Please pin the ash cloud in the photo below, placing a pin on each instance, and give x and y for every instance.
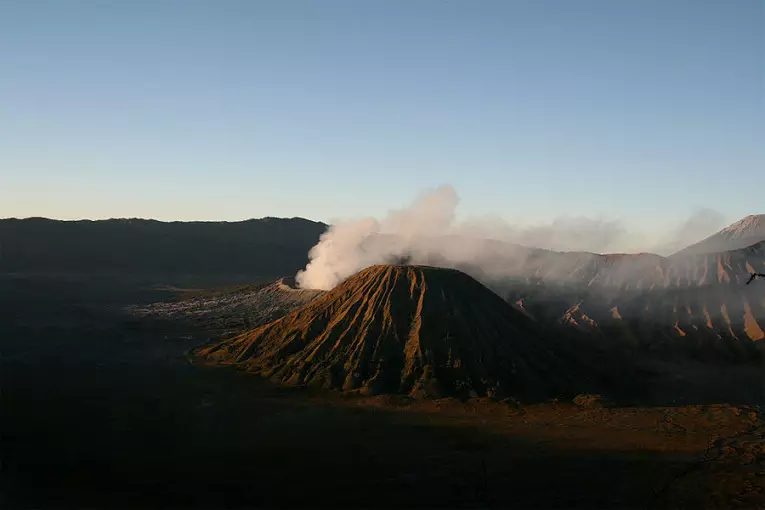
(427, 232)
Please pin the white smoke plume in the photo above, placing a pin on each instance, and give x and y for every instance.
(703, 223)
(426, 232)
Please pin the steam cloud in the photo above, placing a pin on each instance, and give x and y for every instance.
(700, 225)
(426, 232)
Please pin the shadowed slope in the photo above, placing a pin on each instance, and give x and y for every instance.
(257, 249)
(401, 329)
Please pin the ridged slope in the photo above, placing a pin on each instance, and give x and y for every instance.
(401, 329)
(745, 232)
(639, 271)
(646, 271)
(705, 310)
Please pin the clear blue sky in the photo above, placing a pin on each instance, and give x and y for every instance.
(225, 110)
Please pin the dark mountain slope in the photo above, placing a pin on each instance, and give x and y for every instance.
(268, 247)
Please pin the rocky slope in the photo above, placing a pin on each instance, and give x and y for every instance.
(691, 305)
(712, 325)
(402, 329)
(706, 312)
(743, 233)
(232, 310)
(645, 271)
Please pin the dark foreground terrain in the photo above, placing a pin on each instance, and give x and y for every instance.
(101, 410)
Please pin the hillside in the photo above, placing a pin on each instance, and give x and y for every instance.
(402, 329)
(692, 306)
(262, 248)
(700, 309)
(743, 233)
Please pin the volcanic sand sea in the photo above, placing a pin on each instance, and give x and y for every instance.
(106, 412)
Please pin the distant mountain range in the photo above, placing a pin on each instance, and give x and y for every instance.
(727, 257)
(274, 247)
(645, 271)
(259, 249)
(694, 303)
(718, 319)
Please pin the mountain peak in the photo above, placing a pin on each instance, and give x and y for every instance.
(417, 330)
(745, 232)
(745, 227)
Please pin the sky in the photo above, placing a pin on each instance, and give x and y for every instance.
(641, 111)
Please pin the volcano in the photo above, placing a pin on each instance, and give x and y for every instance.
(416, 330)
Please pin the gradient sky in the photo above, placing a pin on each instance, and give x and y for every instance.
(223, 110)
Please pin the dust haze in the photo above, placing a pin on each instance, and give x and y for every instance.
(427, 232)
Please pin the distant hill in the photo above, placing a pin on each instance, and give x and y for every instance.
(645, 271)
(743, 233)
(263, 248)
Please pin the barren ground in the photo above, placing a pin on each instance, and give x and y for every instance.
(102, 411)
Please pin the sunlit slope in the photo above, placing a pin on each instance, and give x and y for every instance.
(402, 329)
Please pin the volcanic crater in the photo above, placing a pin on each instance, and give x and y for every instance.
(406, 329)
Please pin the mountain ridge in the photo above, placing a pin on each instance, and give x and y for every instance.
(254, 249)
(740, 234)
(138, 220)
